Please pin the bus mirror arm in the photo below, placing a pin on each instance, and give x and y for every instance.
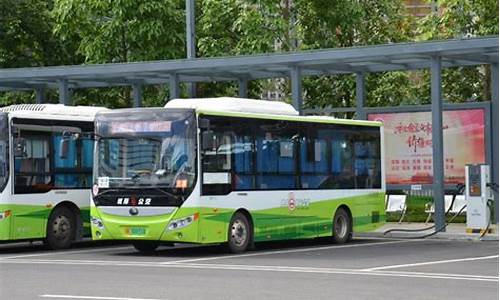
(207, 140)
(19, 147)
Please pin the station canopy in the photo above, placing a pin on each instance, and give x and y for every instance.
(368, 59)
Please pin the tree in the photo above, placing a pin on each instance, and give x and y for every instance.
(344, 23)
(26, 40)
(122, 31)
(461, 19)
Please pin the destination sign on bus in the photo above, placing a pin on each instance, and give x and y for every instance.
(140, 126)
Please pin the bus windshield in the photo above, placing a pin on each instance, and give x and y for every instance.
(4, 150)
(146, 148)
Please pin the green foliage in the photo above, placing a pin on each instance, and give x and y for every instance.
(344, 23)
(459, 19)
(462, 19)
(26, 40)
(122, 30)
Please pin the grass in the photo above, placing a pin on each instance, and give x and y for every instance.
(415, 211)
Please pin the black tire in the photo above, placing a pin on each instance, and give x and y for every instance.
(342, 226)
(61, 228)
(239, 235)
(146, 247)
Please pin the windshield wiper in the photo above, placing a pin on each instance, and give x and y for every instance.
(113, 190)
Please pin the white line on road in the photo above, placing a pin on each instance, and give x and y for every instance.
(91, 297)
(205, 266)
(92, 250)
(339, 271)
(430, 263)
(261, 253)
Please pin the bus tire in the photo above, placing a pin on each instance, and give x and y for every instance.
(342, 226)
(146, 247)
(239, 233)
(61, 228)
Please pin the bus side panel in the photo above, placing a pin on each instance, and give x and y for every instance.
(28, 221)
(5, 222)
(304, 219)
(214, 224)
(368, 212)
(315, 219)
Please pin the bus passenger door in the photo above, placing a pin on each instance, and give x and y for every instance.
(32, 182)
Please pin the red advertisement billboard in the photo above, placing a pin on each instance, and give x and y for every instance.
(408, 144)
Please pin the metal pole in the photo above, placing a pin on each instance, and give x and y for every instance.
(360, 96)
(242, 88)
(174, 86)
(40, 95)
(295, 78)
(494, 129)
(190, 40)
(437, 143)
(137, 92)
(64, 94)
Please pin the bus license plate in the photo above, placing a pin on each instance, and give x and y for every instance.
(137, 231)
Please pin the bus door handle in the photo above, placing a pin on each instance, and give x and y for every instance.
(242, 194)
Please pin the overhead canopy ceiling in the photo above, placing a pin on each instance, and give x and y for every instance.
(380, 58)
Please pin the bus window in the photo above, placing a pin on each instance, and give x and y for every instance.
(243, 149)
(314, 163)
(342, 160)
(70, 162)
(75, 170)
(217, 161)
(276, 155)
(367, 161)
(32, 168)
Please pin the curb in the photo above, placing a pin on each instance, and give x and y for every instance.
(438, 236)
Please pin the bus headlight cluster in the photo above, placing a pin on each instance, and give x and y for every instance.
(97, 222)
(5, 214)
(183, 222)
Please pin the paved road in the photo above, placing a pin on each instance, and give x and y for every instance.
(363, 269)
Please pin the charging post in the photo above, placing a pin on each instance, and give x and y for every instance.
(478, 197)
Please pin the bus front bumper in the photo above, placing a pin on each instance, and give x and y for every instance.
(180, 225)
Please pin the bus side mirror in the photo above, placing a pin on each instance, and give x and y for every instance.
(64, 144)
(19, 147)
(204, 123)
(64, 147)
(207, 140)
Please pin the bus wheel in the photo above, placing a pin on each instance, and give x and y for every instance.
(342, 225)
(239, 233)
(146, 247)
(61, 228)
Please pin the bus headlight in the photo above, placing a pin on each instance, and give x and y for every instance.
(182, 222)
(97, 222)
(5, 214)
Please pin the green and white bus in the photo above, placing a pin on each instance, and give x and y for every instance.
(234, 171)
(44, 195)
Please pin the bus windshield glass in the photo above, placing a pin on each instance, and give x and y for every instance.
(4, 150)
(146, 148)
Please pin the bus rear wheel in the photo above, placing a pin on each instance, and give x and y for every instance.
(239, 233)
(61, 228)
(146, 247)
(342, 226)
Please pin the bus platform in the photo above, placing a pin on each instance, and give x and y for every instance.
(454, 231)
